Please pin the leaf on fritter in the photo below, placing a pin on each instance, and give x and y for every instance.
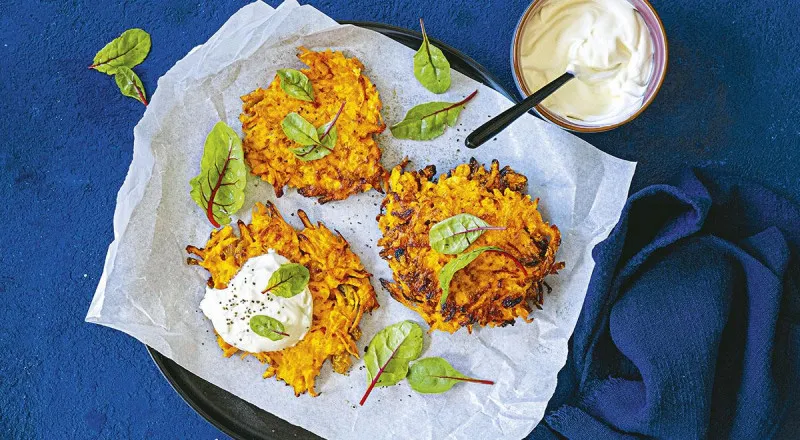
(289, 280)
(457, 233)
(267, 327)
(296, 84)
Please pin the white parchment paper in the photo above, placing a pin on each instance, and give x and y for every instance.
(148, 291)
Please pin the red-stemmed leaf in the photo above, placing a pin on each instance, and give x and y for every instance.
(435, 375)
(457, 233)
(428, 121)
(219, 188)
(389, 353)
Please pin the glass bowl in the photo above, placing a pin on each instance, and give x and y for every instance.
(660, 57)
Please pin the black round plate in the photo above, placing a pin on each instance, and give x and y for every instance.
(232, 415)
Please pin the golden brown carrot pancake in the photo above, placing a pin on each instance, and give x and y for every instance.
(491, 290)
(353, 166)
(339, 285)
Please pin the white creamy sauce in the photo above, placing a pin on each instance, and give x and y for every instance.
(604, 42)
(231, 309)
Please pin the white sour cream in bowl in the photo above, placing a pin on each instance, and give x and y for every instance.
(608, 44)
(231, 309)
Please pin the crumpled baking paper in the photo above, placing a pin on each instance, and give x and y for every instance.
(149, 292)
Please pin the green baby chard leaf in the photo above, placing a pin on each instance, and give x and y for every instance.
(449, 270)
(389, 353)
(316, 143)
(435, 375)
(428, 121)
(219, 188)
(328, 135)
(297, 129)
(289, 280)
(268, 327)
(296, 84)
(327, 139)
(431, 67)
(127, 50)
(457, 233)
(130, 84)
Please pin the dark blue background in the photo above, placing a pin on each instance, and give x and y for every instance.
(729, 101)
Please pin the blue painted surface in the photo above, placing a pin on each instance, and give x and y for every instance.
(730, 100)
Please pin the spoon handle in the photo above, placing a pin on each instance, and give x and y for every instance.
(497, 124)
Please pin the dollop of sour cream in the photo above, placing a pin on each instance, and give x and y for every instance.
(231, 309)
(605, 43)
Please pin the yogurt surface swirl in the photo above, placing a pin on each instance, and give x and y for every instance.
(604, 42)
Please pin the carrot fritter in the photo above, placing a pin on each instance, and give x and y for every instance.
(339, 285)
(491, 290)
(353, 166)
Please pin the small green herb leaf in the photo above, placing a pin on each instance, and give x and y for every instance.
(325, 140)
(456, 264)
(431, 67)
(389, 353)
(297, 129)
(127, 50)
(267, 327)
(457, 233)
(289, 280)
(130, 84)
(435, 375)
(219, 188)
(296, 84)
(428, 121)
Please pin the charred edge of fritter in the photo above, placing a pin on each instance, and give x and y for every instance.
(384, 202)
(355, 187)
(403, 163)
(304, 218)
(380, 181)
(428, 173)
(194, 250)
(397, 292)
(448, 311)
(504, 178)
(345, 243)
(272, 210)
(473, 167)
(322, 196)
(404, 214)
(511, 302)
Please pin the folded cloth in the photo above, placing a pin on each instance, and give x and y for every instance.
(691, 325)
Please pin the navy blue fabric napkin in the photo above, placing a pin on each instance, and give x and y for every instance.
(691, 325)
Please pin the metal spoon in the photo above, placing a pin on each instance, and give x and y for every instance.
(497, 124)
